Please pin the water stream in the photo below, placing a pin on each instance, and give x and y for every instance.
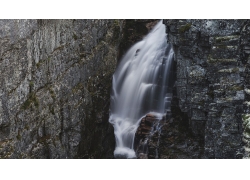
(140, 86)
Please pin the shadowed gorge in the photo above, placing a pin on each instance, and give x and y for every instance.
(135, 88)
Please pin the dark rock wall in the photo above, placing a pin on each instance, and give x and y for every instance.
(55, 87)
(134, 30)
(212, 86)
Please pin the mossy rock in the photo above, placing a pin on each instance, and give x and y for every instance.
(31, 99)
(185, 28)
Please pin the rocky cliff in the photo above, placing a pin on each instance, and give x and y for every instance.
(56, 77)
(55, 80)
(55, 87)
(211, 97)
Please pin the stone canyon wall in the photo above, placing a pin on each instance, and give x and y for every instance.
(55, 87)
(211, 97)
(56, 78)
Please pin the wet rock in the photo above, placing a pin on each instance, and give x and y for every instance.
(212, 60)
(147, 136)
(134, 31)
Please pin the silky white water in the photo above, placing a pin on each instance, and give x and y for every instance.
(140, 85)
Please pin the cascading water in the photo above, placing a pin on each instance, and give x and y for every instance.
(140, 86)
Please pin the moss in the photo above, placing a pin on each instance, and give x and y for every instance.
(75, 37)
(225, 38)
(116, 22)
(185, 28)
(59, 48)
(236, 88)
(27, 127)
(230, 70)
(19, 137)
(79, 86)
(223, 61)
(43, 139)
(31, 99)
(221, 47)
(36, 102)
(26, 104)
(52, 93)
(245, 116)
(225, 47)
(31, 85)
(38, 64)
(247, 131)
(235, 70)
(51, 109)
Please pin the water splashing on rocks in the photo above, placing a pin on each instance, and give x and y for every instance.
(140, 86)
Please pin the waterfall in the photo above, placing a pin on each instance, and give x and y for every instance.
(140, 86)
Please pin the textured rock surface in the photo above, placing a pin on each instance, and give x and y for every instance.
(212, 58)
(134, 30)
(56, 79)
(55, 87)
(147, 136)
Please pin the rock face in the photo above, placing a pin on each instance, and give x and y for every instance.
(212, 85)
(56, 77)
(147, 136)
(55, 87)
(176, 138)
(134, 30)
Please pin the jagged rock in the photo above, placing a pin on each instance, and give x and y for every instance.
(55, 87)
(147, 136)
(212, 62)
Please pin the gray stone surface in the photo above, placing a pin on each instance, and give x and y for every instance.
(212, 58)
(56, 78)
(55, 87)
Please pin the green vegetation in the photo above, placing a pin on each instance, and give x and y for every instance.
(236, 88)
(43, 139)
(31, 99)
(38, 64)
(245, 116)
(79, 86)
(185, 28)
(43, 61)
(19, 137)
(31, 85)
(27, 127)
(116, 22)
(51, 109)
(225, 38)
(75, 37)
(52, 93)
(230, 70)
